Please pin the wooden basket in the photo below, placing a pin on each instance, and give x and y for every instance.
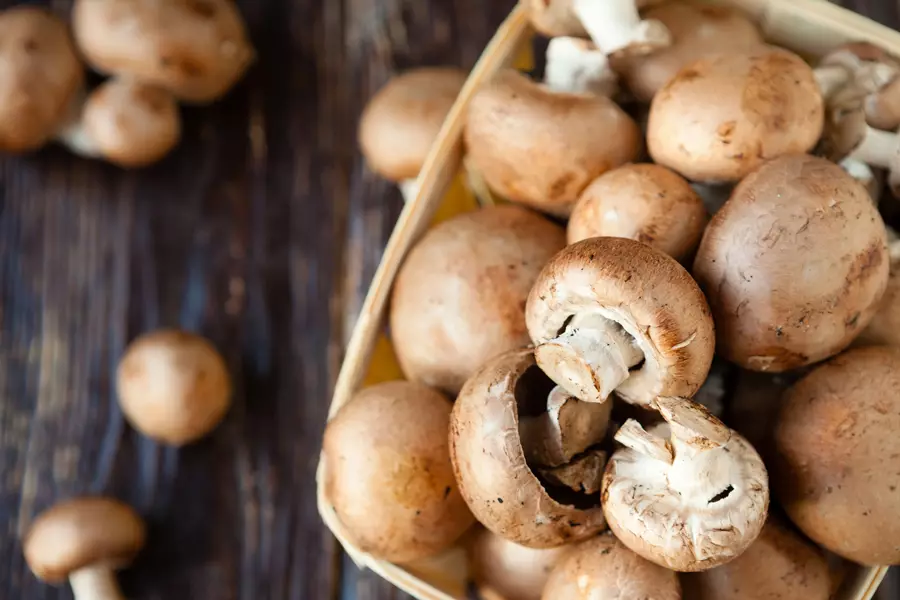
(809, 27)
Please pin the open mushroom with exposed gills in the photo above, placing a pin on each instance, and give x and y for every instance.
(837, 468)
(794, 265)
(611, 314)
(690, 502)
(642, 202)
(85, 540)
(724, 115)
(489, 458)
(459, 297)
(617, 28)
(392, 486)
(541, 148)
(403, 119)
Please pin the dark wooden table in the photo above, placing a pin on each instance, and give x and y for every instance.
(262, 232)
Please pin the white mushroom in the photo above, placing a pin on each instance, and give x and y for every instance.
(576, 65)
(616, 26)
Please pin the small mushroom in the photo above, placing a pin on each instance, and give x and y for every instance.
(173, 386)
(724, 115)
(575, 65)
(642, 202)
(392, 486)
(615, 314)
(779, 565)
(195, 49)
(85, 540)
(689, 503)
(459, 297)
(602, 568)
(554, 18)
(400, 123)
(697, 30)
(836, 469)
(542, 148)
(793, 265)
(40, 77)
(489, 458)
(617, 28)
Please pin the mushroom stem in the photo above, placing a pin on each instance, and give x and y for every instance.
(831, 78)
(878, 148)
(616, 27)
(568, 427)
(632, 435)
(575, 65)
(590, 358)
(96, 582)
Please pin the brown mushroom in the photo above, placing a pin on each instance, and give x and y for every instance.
(488, 456)
(195, 49)
(392, 486)
(40, 77)
(642, 202)
(173, 386)
(542, 148)
(615, 314)
(779, 565)
(402, 120)
(793, 265)
(85, 540)
(459, 298)
(602, 568)
(697, 30)
(836, 472)
(617, 28)
(722, 116)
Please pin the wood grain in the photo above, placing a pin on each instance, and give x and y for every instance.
(262, 232)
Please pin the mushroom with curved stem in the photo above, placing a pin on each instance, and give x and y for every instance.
(689, 503)
(85, 540)
(617, 28)
(615, 314)
(575, 65)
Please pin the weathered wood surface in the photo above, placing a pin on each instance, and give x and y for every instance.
(262, 232)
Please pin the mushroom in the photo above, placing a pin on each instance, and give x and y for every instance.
(617, 29)
(541, 148)
(504, 570)
(697, 30)
(173, 386)
(689, 503)
(602, 568)
(459, 297)
(575, 65)
(793, 265)
(642, 202)
(195, 49)
(400, 123)
(724, 115)
(866, 68)
(779, 565)
(554, 18)
(615, 314)
(85, 540)
(489, 458)
(40, 76)
(127, 123)
(836, 469)
(392, 486)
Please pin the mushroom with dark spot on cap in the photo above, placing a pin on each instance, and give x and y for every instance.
(690, 502)
(617, 28)
(615, 314)
(85, 540)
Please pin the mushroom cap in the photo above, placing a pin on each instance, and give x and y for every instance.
(646, 292)
(81, 532)
(173, 386)
(779, 565)
(542, 148)
(603, 568)
(554, 18)
(392, 486)
(402, 120)
(836, 470)
(504, 570)
(40, 75)
(793, 265)
(459, 298)
(196, 49)
(697, 30)
(643, 202)
(722, 116)
(489, 461)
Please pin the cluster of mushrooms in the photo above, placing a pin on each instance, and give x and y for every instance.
(154, 54)
(591, 449)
